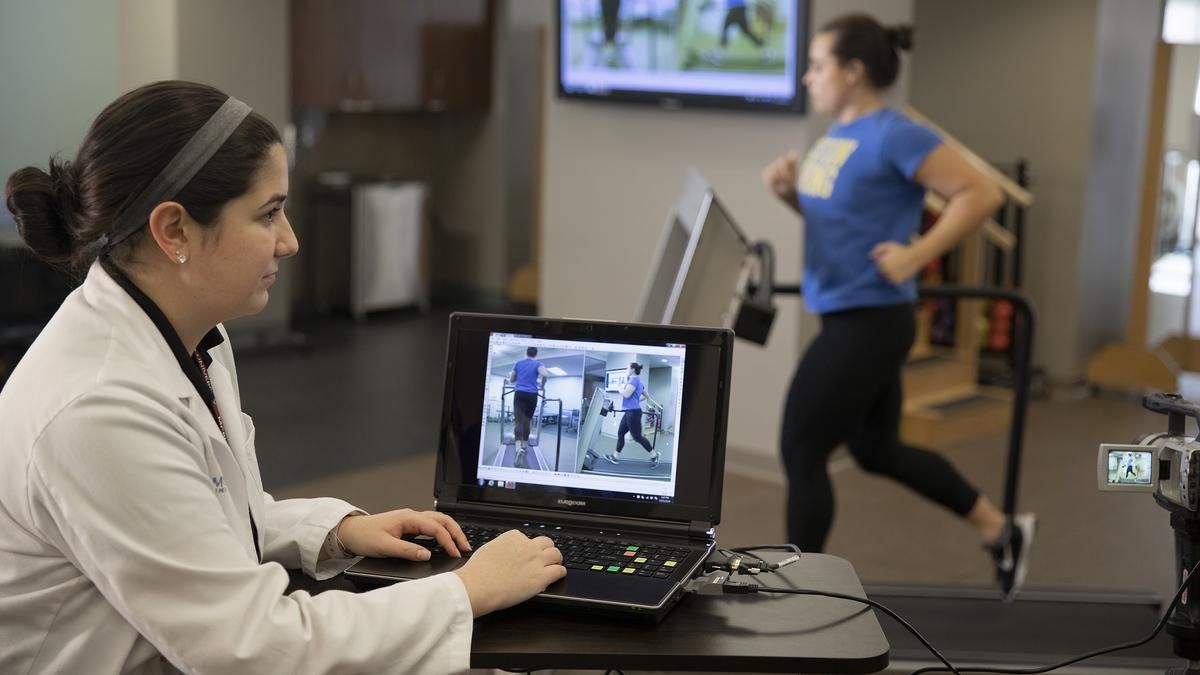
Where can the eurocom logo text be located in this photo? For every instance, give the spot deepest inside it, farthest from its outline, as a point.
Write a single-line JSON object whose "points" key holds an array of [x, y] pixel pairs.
{"points": [[571, 502]]}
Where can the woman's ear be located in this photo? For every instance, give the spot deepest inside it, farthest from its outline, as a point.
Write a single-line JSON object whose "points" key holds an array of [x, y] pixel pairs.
{"points": [[168, 223], [855, 71]]}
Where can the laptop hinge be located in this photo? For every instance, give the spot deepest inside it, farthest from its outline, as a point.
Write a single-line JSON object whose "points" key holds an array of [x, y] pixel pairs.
{"points": [[533, 514]]}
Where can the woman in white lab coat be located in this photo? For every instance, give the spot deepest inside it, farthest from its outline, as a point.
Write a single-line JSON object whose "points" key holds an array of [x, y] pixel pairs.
{"points": [[135, 535]]}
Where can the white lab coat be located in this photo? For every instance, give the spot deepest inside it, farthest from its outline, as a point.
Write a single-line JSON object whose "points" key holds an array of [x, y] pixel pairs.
{"points": [[125, 543]]}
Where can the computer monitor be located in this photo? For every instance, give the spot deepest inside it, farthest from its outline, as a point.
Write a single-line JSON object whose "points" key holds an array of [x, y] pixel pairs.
{"points": [[702, 267], [672, 53]]}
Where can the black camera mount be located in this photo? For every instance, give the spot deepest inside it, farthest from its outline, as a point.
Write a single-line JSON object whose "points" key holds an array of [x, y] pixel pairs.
{"points": [[1184, 623]]}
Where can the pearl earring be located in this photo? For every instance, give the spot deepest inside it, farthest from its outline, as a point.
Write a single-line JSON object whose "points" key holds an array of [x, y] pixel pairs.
{"points": [[180, 257]]}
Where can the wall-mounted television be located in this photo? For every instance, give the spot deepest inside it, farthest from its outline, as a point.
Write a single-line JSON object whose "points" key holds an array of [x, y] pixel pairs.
{"points": [[746, 54]]}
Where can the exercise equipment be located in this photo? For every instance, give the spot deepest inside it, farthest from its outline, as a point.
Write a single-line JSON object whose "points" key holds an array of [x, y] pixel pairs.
{"points": [[974, 626], [509, 454], [589, 434]]}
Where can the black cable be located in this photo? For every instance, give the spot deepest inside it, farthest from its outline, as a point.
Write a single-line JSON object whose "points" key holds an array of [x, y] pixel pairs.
{"points": [[771, 567], [798, 591], [791, 548], [1106, 650], [759, 564], [732, 553]]}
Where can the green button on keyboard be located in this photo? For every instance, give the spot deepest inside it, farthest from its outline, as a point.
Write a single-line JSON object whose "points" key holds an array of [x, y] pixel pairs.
{"points": [[613, 568]]}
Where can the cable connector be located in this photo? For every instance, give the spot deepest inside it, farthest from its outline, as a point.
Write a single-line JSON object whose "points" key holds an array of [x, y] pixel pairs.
{"points": [[740, 587], [720, 582], [786, 561], [709, 584]]}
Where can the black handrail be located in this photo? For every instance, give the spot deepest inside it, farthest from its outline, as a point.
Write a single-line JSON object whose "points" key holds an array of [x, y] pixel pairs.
{"points": [[1022, 365]]}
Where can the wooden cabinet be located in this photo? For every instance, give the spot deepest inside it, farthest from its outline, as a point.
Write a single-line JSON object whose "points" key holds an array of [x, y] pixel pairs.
{"points": [[399, 55]]}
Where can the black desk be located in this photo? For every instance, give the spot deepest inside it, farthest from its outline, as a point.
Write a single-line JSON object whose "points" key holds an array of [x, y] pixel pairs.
{"points": [[761, 632]]}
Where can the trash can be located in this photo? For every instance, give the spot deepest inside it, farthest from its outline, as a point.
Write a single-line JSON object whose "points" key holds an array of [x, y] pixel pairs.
{"points": [[370, 245], [387, 231]]}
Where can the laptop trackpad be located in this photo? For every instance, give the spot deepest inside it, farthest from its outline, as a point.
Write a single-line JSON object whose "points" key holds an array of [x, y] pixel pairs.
{"points": [[396, 568], [437, 565]]}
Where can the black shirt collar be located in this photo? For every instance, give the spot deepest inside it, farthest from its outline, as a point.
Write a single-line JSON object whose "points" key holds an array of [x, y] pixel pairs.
{"points": [[186, 362]]}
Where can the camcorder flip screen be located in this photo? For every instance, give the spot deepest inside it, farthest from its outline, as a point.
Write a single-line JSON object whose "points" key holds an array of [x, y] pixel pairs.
{"points": [[1127, 468]]}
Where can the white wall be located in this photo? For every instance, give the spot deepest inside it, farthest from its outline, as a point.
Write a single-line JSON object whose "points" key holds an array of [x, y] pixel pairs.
{"points": [[1127, 34], [569, 389], [59, 67], [611, 173], [88, 52], [1013, 80], [660, 386], [242, 49], [149, 49]]}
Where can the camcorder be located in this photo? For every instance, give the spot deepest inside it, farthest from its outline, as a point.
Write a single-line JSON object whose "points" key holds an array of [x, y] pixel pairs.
{"points": [[1167, 465]]}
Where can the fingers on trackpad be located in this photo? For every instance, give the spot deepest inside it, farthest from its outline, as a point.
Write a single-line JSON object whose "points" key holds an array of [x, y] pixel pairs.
{"points": [[443, 563]]}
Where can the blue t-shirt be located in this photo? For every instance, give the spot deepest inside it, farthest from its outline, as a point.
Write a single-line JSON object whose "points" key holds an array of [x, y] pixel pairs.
{"points": [[527, 375], [856, 190], [634, 402]]}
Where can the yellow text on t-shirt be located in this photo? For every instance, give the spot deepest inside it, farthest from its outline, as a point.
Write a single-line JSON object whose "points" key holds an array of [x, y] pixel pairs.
{"points": [[822, 165]]}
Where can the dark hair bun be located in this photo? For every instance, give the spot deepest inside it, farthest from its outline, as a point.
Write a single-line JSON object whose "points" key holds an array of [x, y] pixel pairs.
{"points": [[901, 37], [41, 203]]}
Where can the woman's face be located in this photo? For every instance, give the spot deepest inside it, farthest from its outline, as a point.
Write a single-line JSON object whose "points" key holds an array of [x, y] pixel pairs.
{"points": [[239, 256], [829, 83]]}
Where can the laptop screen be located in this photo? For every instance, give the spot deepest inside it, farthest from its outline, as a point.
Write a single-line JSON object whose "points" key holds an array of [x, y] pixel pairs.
{"points": [[593, 417]]}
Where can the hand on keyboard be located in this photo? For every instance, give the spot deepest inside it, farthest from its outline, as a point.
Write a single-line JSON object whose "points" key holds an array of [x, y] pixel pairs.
{"points": [[510, 569], [591, 554], [379, 535]]}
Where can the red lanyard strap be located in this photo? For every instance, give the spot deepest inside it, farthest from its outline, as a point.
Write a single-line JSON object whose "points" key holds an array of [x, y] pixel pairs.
{"points": [[216, 412]]}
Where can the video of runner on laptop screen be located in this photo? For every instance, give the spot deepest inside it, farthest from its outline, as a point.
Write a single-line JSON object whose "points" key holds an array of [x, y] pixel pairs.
{"points": [[585, 415]]}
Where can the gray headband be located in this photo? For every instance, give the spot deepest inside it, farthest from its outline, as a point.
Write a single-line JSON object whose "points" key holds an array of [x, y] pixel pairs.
{"points": [[182, 168]]}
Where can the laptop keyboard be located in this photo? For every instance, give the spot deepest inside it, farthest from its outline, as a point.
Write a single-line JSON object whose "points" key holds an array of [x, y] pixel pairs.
{"points": [[581, 553]]}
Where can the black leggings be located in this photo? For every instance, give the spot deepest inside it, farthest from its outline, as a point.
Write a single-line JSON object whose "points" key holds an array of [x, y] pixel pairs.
{"points": [[524, 405], [631, 422], [610, 10], [847, 390], [737, 17]]}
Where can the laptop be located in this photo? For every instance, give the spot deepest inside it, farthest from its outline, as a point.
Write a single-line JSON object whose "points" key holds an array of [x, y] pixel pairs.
{"points": [[633, 526]]}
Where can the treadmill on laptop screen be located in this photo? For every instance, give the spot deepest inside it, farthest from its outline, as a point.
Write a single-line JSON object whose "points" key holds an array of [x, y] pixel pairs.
{"points": [[510, 437]]}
